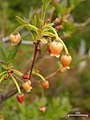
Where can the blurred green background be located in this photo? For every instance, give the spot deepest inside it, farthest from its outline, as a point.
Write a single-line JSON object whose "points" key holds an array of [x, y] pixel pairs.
{"points": [[69, 91]]}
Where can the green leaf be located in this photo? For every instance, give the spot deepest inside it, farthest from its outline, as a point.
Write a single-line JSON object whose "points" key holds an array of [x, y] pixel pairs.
{"points": [[25, 24], [45, 4], [50, 34], [35, 20], [21, 21], [31, 27], [13, 52], [2, 73]]}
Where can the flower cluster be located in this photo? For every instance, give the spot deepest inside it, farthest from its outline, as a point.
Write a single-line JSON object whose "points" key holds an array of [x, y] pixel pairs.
{"points": [[55, 47]]}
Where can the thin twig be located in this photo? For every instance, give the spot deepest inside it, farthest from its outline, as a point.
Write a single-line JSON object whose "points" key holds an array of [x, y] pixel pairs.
{"points": [[53, 74], [8, 95]]}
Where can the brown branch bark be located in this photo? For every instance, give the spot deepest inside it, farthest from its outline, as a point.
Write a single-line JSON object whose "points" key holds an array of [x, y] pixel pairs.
{"points": [[34, 58]]}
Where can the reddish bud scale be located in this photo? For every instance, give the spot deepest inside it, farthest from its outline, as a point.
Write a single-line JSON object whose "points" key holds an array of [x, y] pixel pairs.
{"points": [[45, 84], [48, 20], [58, 27], [20, 98], [25, 76], [57, 21]]}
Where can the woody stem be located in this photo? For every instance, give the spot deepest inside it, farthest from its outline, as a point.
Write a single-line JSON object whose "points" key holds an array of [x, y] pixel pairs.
{"points": [[34, 58]]}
